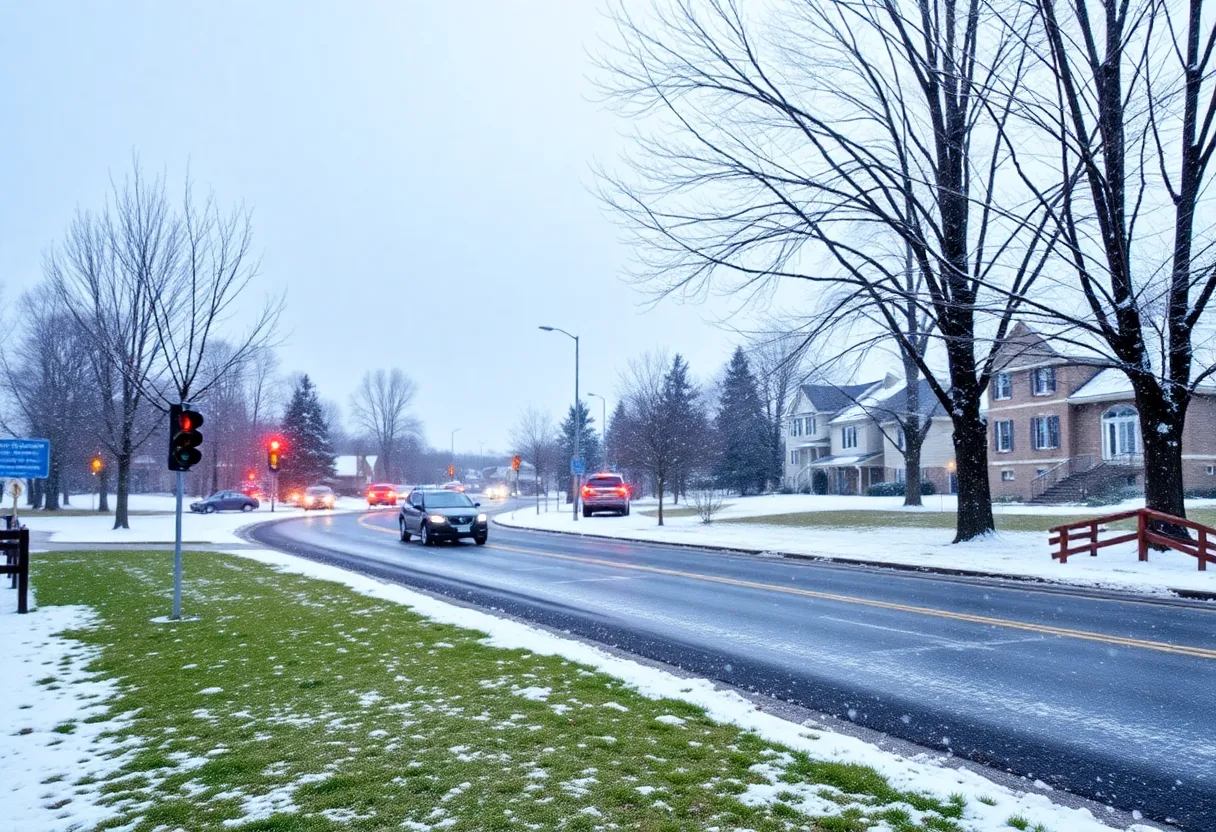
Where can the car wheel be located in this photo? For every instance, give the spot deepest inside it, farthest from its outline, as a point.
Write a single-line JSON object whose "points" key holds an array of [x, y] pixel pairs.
{"points": [[247, 507], [586, 512], [424, 536], [405, 535], [481, 539], [208, 509], [625, 513]]}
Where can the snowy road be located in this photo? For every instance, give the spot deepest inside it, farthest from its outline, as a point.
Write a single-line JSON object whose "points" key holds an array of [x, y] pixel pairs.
{"points": [[1108, 697]]}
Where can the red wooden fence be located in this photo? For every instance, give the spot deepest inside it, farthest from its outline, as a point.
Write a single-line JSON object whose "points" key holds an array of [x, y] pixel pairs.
{"points": [[1082, 536]]}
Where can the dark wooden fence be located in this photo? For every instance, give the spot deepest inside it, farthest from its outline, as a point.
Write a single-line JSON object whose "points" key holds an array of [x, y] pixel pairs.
{"points": [[1082, 537]]}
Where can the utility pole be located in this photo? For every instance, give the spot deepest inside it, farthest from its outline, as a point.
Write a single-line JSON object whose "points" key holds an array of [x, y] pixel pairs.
{"points": [[453, 451]]}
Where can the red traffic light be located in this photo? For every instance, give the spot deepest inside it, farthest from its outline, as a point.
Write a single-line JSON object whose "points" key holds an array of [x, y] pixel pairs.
{"points": [[184, 438], [251, 476], [275, 444], [515, 460]]}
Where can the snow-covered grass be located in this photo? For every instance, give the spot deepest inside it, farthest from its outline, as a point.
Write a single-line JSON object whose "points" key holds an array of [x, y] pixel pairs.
{"points": [[219, 528], [298, 703], [55, 750], [879, 529]]}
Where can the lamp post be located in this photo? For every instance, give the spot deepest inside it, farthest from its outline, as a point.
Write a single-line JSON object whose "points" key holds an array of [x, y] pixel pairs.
{"points": [[603, 424], [577, 445], [950, 468]]}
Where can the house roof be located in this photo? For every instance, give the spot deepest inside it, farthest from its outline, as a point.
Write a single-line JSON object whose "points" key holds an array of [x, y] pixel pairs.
{"points": [[837, 461], [831, 398], [887, 403], [1112, 384]]}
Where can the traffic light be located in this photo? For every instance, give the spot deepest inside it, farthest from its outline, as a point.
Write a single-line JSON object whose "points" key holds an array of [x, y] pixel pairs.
{"points": [[95, 465], [273, 448], [515, 460], [184, 438], [451, 472]]}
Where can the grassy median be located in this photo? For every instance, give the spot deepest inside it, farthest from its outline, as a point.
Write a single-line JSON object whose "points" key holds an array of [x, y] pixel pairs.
{"points": [[296, 704]]}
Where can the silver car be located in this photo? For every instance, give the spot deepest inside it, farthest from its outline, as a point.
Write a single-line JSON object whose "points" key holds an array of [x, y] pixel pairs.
{"points": [[605, 492]]}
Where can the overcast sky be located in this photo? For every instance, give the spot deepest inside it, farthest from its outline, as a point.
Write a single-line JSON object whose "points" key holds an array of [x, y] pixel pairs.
{"points": [[420, 174]]}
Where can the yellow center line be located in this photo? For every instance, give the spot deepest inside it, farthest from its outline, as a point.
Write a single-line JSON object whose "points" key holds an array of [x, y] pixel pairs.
{"points": [[1064, 632]]}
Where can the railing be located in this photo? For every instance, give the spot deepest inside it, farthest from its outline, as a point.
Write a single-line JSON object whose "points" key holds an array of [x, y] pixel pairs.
{"points": [[1080, 537], [15, 545], [1053, 476]]}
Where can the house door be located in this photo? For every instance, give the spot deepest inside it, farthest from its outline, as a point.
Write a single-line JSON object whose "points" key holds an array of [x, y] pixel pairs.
{"points": [[1120, 433], [842, 481]]}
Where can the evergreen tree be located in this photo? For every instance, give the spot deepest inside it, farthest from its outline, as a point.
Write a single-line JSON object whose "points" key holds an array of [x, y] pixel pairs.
{"points": [[742, 429], [309, 456], [689, 425], [589, 438]]}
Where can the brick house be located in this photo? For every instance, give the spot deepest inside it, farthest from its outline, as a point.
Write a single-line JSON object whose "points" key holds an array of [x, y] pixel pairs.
{"points": [[1060, 428]]}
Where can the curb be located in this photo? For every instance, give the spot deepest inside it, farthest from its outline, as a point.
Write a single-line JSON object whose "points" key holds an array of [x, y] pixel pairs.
{"points": [[1189, 594]]}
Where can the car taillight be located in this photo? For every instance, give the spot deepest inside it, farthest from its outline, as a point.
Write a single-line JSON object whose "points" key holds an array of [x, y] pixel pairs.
{"points": [[623, 491], [587, 492]]}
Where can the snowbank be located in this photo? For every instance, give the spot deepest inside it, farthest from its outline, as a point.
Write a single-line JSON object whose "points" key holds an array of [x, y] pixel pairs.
{"points": [[1022, 554]]}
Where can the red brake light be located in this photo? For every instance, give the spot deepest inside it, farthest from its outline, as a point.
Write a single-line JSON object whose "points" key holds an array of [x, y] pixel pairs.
{"points": [[623, 491], [587, 491]]}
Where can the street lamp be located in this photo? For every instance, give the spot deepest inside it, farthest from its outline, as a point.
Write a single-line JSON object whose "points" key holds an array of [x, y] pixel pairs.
{"points": [[577, 445], [603, 424]]}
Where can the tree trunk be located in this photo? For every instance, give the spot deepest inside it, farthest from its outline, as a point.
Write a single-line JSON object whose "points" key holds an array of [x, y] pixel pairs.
{"points": [[971, 462], [123, 492], [36, 494], [661, 485], [103, 490], [1161, 433], [913, 442], [51, 489]]}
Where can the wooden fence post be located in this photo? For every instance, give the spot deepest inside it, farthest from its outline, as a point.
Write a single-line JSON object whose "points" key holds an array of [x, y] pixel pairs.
{"points": [[1064, 545], [1203, 549]]}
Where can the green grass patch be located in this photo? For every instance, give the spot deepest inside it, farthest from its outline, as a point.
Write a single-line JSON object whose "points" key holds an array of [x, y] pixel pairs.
{"points": [[295, 704]]}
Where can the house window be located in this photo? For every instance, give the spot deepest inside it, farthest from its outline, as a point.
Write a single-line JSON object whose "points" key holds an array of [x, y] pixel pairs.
{"points": [[792, 428], [1007, 476], [1002, 386], [901, 475], [1043, 381], [793, 457], [1004, 436], [1210, 470], [810, 425], [848, 437], [900, 440], [1045, 432]]}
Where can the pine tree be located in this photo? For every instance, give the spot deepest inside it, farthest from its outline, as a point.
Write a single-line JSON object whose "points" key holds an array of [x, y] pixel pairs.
{"points": [[309, 456], [688, 423], [742, 429], [589, 437]]}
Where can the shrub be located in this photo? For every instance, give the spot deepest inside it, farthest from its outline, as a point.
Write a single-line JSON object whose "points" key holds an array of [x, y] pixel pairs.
{"points": [[819, 482], [707, 502], [1111, 496], [897, 489], [1201, 493], [786, 489], [1006, 499]]}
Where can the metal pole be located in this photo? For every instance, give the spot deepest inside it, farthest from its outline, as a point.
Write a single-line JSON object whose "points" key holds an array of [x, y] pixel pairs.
{"points": [[177, 549], [578, 448], [274, 489]]}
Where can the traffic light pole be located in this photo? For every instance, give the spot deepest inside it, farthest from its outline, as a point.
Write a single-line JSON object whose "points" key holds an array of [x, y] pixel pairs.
{"points": [[177, 549]]}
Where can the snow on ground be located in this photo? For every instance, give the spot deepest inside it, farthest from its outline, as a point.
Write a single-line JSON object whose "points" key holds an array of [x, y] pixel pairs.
{"points": [[220, 528], [1024, 554], [49, 746], [922, 773]]}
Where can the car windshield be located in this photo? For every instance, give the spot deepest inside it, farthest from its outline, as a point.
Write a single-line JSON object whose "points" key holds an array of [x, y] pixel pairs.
{"points": [[447, 499]]}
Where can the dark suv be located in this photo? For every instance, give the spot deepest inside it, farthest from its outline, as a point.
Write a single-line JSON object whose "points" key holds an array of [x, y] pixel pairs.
{"points": [[441, 515], [605, 492]]}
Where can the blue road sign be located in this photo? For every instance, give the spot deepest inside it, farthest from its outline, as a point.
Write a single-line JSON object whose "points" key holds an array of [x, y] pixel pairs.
{"points": [[25, 459], [578, 465]]}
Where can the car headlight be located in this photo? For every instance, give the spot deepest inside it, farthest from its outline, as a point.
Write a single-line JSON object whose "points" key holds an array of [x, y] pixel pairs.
{"points": [[481, 518], [308, 501], [437, 519]]}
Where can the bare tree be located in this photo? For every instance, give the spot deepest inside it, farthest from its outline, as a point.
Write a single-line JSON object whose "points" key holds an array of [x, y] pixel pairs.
{"points": [[380, 407], [778, 358], [651, 441], [534, 438], [1127, 105], [782, 148], [108, 270]]}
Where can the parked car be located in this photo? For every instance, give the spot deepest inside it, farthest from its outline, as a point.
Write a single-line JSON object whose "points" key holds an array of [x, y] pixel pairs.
{"points": [[605, 492], [434, 516], [381, 494], [225, 501], [318, 496]]}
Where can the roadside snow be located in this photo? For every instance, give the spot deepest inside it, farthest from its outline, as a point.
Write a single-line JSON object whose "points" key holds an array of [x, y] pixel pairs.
{"points": [[220, 528], [1023, 554], [48, 746], [923, 773]]}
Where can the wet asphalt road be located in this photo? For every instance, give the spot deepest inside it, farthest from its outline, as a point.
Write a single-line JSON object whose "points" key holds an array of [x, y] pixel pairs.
{"points": [[1112, 698]]}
